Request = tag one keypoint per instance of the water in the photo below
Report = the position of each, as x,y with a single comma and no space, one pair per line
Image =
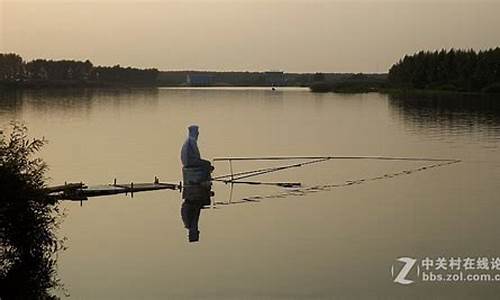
339,243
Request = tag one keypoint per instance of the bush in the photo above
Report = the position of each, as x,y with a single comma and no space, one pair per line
28,220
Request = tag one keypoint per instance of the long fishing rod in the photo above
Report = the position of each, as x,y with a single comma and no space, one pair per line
256,158
268,158
247,174
267,169
281,184
240,173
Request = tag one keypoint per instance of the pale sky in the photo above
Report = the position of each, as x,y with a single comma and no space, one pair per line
288,35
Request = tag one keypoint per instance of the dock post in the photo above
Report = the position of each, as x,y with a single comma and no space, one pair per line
131,190
114,182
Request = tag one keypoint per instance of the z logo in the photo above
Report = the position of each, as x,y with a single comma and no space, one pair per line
403,273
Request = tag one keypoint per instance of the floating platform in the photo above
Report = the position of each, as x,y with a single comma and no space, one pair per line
80,191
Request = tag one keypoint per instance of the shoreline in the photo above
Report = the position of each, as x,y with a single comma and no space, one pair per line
55,85
402,91
12,86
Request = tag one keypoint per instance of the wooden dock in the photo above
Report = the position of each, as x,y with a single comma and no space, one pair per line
80,191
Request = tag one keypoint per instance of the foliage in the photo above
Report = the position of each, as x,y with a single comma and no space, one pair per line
356,83
318,77
28,220
459,70
13,69
321,87
58,70
124,75
11,66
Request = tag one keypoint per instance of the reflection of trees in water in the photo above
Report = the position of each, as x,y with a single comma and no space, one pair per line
449,112
72,100
28,221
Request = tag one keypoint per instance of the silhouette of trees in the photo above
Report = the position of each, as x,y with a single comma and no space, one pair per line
119,74
458,70
28,220
11,66
351,83
318,77
61,72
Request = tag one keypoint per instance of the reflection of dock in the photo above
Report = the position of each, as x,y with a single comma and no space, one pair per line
80,191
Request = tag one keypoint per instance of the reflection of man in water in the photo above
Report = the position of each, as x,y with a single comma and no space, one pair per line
195,196
190,213
190,154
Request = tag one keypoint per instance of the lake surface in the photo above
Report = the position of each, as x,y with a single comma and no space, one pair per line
339,241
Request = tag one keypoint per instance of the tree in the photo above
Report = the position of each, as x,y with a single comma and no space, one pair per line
463,70
28,220
318,77
11,66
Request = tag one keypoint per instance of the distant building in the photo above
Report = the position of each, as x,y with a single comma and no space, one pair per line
276,78
198,79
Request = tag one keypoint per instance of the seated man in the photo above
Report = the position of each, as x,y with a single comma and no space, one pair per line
190,154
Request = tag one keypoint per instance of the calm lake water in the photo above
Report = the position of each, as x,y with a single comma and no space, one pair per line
339,242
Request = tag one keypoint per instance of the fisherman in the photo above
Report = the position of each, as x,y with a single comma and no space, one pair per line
190,154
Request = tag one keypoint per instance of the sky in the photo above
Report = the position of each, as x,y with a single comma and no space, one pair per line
245,35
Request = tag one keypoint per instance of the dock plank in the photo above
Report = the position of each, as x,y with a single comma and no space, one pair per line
79,192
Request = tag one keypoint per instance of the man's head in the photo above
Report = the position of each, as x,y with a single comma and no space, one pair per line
193,131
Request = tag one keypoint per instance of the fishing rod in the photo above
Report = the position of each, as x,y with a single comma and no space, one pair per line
281,184
242,175
256,158
268,158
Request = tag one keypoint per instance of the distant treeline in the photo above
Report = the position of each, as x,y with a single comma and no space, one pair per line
454,70
234,78
14,71
354,83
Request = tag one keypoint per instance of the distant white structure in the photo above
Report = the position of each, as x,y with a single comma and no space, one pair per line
198,79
